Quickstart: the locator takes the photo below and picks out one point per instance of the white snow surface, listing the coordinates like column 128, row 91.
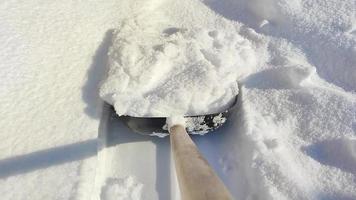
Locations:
column 291, row 137
column 51, row 57
column 157, row 71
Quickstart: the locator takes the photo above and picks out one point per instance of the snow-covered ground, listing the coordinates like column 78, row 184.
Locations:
column 51, row 59
column 292, row 136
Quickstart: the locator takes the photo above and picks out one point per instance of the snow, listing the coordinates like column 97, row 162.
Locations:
column 292, row 136
column 175, row 71
column 122, row 189
column 175, row 120
column 51, row 56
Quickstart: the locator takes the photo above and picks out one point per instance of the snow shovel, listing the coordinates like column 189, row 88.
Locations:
column 197, row 180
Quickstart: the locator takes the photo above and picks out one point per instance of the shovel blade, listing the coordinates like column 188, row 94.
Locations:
column 199, row 124
column 158, row 126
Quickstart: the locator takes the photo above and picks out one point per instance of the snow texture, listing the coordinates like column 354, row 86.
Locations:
column 175, row 71
column 292, row 136
column 51, row 61
column 121, row 189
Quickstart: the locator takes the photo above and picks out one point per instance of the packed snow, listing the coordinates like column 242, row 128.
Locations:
column 174, row 71
column 291, row 137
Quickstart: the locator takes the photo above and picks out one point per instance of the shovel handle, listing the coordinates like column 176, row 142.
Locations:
column 197, row 180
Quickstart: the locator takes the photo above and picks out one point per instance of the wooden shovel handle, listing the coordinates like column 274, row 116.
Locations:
column 197, row 180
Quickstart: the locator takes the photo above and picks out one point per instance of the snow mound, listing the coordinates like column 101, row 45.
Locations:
column 175, row 71
column 339, row 153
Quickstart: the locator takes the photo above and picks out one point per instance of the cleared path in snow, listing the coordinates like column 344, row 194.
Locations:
column 146, row 161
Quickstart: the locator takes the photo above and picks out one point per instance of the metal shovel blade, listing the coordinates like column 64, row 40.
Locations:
column 199, row 124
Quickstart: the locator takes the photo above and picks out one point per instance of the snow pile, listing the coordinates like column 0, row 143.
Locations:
column 324, row 30
column 174, row 71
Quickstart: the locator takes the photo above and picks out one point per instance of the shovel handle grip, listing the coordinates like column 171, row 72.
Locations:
column 197, row 180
